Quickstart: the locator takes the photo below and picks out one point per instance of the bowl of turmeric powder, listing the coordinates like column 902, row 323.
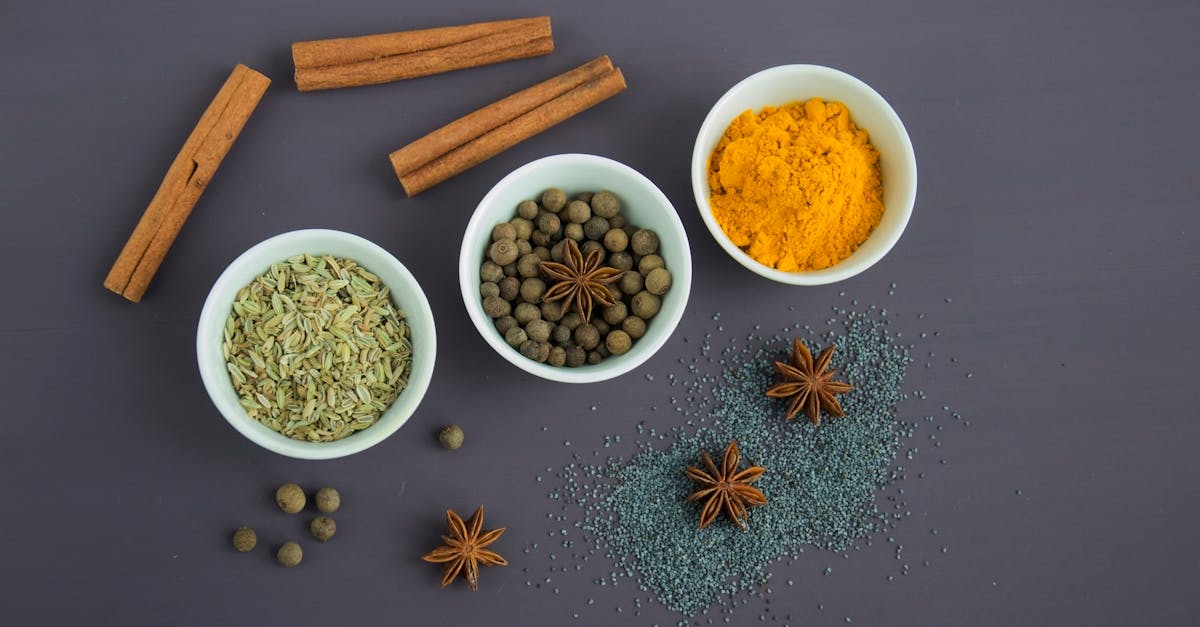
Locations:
column 804, row 174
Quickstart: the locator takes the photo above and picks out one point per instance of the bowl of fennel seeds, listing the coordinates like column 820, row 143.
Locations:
column 316, row 344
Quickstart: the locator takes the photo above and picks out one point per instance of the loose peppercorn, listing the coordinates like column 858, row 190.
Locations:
column 532, row 289
column 244, row 539
column 552, row 311
column 488, row 289
column 503, row 230
column 524, row 312
column 556, row 252
column 602, row 327
column 524, row 227
column 595, row 228
column 554, row 199
column 615, row 240
column 510, row 269
column 523, row 248
column 616, row 313
column 621, row 260
column 322, row 528
column 573, row 232
column 328, row 500
column 540, row 238
column 584, row 196
column 634, row 326
column 290, row 498
column 589, row 247
column 587, row 336
column 645, row 305
column 289, row 554
column 529, row 349
column 504, row 323
column 617, row 222
column 605, row 204
column 542, row 253
column 558, row 357
column 560, row 335
column 658, row 281
column 549, row 223
column 631, row 283
column 650, row 262
column 618, row 342
column 576, row 356
column 527, row 265
column 527, row 209
column 451, row 437
column 510, row 288
column 571, row 320
column 594, row 357
column 491, row 272
column 503, row 252
column 494, row 306
column 538, row 330
column 578, row 212
column 644, row 242
column 515, row 337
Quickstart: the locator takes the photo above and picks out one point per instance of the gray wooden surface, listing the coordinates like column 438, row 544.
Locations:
column 1057, row 211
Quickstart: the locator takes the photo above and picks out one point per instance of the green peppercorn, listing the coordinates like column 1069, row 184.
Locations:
column 594, row 357
column 589, row 247
column 549, row 223
column 289, row 554
column 451, row 437
column 587, row 336
column 605, row 204
column 524, row 227
column 560, row 335
column 584, row 196
column 494, row 306
column 542, row 253
column 491, row 272
column 595, row 228
column 527, row 265
column 658, row 281
column 552, row 311
column 524, row 312
column 621, row 260
column 618, row 342
column 576, row 356
column 244, row 539
column 322, row 528
column 571, row 320
column 504, row 323
column 503, row 251
column 615, row 240
column 573, row 232
column 578, row 212
column 527, row 209
column 540, row 238
column 503, row 230
column 290, row 498
column 631, row 283
column 650, row 262
column 532, row 289
column 616, row 313
column 328, row 500
column 645, row 305
column 488, row 289
column 634, row 326
column 515, row 337
column 510, row 288
column 644, row 242
column 554, row 199
column 538, row 330
column 558, row 357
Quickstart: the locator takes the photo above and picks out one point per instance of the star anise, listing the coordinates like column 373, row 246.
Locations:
column 580, row 281
column 726, row 489
column 809, row 385
column 465, row 549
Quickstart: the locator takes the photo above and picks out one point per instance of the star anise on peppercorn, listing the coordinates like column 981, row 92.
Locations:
column 725, row 489
column 580, row 281
column 465, row 549
column 809, row 384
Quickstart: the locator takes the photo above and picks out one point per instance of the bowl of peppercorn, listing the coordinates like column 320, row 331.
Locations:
column 575, row 268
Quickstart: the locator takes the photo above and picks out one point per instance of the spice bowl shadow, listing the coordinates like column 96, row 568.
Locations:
column 406, row 294
column 783, row 84
column 644, row 205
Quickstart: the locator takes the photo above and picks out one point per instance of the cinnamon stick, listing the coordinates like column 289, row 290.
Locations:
column 475, row 124
column 511, row 133
column 185, row 181
column 374, row 59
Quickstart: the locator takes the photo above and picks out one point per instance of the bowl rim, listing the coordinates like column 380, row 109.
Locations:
column 468, row 270
column 216, row 308
column 848, row 267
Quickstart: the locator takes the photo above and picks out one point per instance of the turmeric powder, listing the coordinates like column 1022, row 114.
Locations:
column 797, row 187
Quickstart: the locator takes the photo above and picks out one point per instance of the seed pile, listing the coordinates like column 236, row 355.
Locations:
column 821, row 482
column 616, row 267
column 316, row 349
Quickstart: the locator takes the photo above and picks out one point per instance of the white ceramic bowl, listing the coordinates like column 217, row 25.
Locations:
column 406, row 294
column 642, row 203
column 788, row 83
